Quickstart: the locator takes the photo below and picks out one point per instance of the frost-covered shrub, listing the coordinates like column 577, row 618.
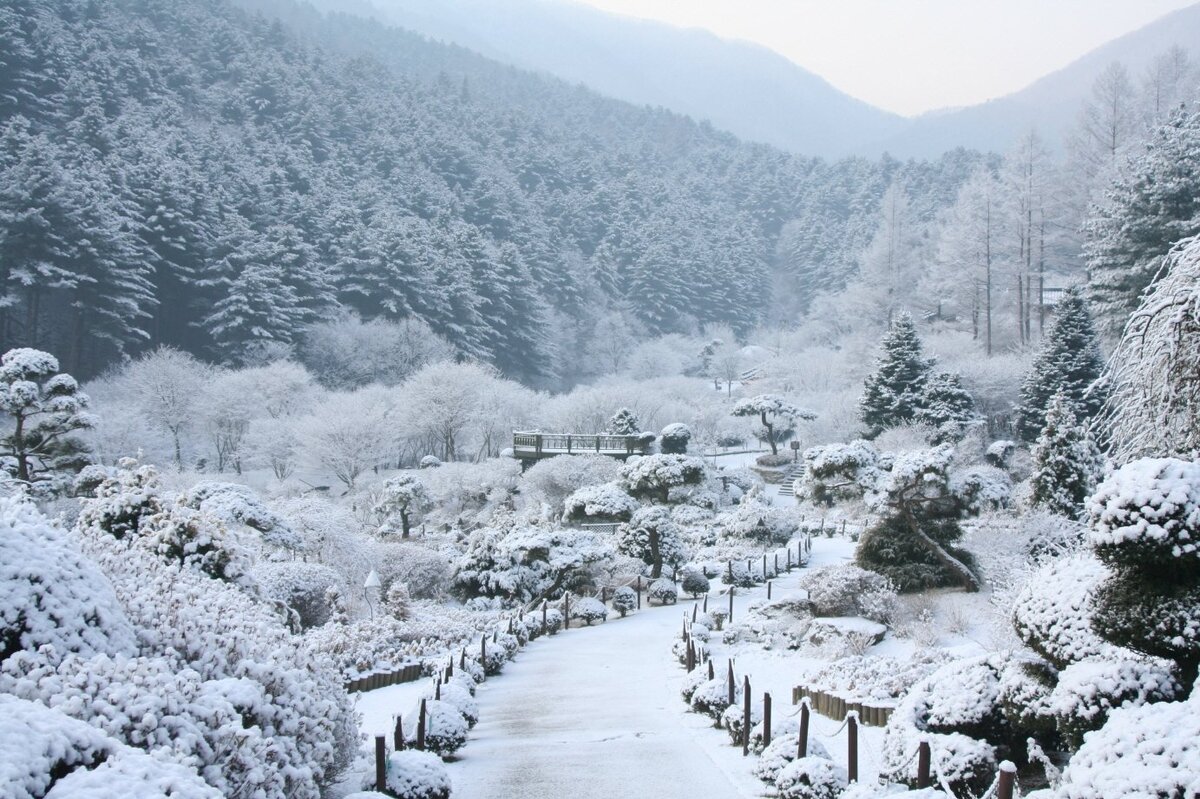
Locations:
column 1145, row 751
column 999, row 452
column 606, row 502
column 624, row 600
column 847, row 590
column 1053, row 613
column 811, row 778
column 44, row 753
column 455, row 694
column 741, row 575
column 981, row 489
column 711, row 698
column 588, row 610
column 652, row 537
column 417, row 775
column 553, row 621
column 1025, row 690
column 877, row 677
column 691, row 681
column 1145, row 525
column 50, row 594
column 663, row 592
column 652, row 477
column 423, row 570
column 839, row 472
column 780, row 752
column 398, row 601
column 958, row 709
column 694, row 582
column 552, row 480
column 237, row 506
column 757, row 520
column 1087, row 692
column 445, row 727
column 674, row 439
column 773, row 461
column 734, row 715
column 430, row 462
column 303, row 587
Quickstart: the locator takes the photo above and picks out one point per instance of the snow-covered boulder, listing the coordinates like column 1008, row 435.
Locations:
column 847, row 590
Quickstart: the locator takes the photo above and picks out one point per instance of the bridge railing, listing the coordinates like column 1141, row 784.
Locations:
column 576, row 443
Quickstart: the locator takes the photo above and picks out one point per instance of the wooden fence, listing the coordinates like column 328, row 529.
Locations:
column 370, row 682
column 836, row 707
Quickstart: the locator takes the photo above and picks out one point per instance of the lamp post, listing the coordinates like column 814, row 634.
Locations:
column 372, row 584
column 795, row 445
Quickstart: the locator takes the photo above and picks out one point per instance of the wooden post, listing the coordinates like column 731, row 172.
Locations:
column 695, row 608
column 923, row 764
column 1007, row 780
column 380, row 763
column 746, row 699
column 462, row 659
column 398, row 735
column 421, row 728
column 545, row 624
column 639, row 592
column 731, row 684
column 788, row 550
column 684, row 635
column 768, row 589
column 730, row 565
column 730, row 619
column 852, row 744
column 705, row 608
column 711, row 671
column 691, row 657
column 437, row 691
column 450, row 668
column 802, row 745
column 604, row 594
column 776, row 563
column 764, row 565
column 766, row 720
column 566, row 611
column 822, row 526
column 483, row 652
column 843, row 528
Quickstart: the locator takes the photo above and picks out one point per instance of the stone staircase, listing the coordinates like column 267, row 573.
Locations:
column 785, row 488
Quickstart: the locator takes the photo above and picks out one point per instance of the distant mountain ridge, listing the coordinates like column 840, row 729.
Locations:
column 752, row 91
column 741, row 87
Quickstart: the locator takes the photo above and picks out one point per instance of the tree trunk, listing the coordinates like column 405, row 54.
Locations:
column 770, row 433
column 404, row 524
column 18, row 446
column 656, row 563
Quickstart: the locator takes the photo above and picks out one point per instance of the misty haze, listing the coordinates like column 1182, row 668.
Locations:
column 529, row 399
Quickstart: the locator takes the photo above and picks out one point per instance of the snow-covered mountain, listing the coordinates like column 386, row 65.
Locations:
column 741, row 87
column 1052, row 103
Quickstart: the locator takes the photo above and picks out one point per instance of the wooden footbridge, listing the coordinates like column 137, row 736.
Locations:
column 535, row 446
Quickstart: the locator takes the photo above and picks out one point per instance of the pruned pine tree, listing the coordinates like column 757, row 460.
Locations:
column 1151, row 206
column 776, row 418
column 1066, row 462
column 653, row 538
column 403, row 499
column 1069, row 363
column 894, row 393
column 45, row 409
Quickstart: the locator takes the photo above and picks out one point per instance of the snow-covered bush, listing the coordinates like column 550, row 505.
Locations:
column 694, row 582
column 847, row 590
column 423, row 570
column 1053, row 613
column 50, row 594
column 588, row 610
column 652, row 537
column 1087, row 692
column 45, row 754
column 981, row 488
column 445, row 727
column 674, row 439
column 624, row 600
column 876, row 677
column 417, row 775
column 734, row 715
column 303, row 587
column 1145, row 751
column 552, row 480
column 238, row 506
column 999, row 452
column 606, row 502
column 958, row 710
column 430, row 462
column 455, row 694
column 780, row 752
column 653, row 477
column 756, row 519
column 663, row 592
column 711, row 698
column 811, row 778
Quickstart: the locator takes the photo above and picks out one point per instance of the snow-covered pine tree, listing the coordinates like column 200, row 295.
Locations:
column 1154, row 204
column 776, row 418
column 892, row 395
column 404, row 497
column 1065, row 462
column 944, row 401
column 1069, row 363
column 46, row 410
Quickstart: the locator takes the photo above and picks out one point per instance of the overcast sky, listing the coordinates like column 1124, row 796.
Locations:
column 910, row 56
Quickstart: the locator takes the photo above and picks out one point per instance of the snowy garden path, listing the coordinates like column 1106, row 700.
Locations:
column 596, row 713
